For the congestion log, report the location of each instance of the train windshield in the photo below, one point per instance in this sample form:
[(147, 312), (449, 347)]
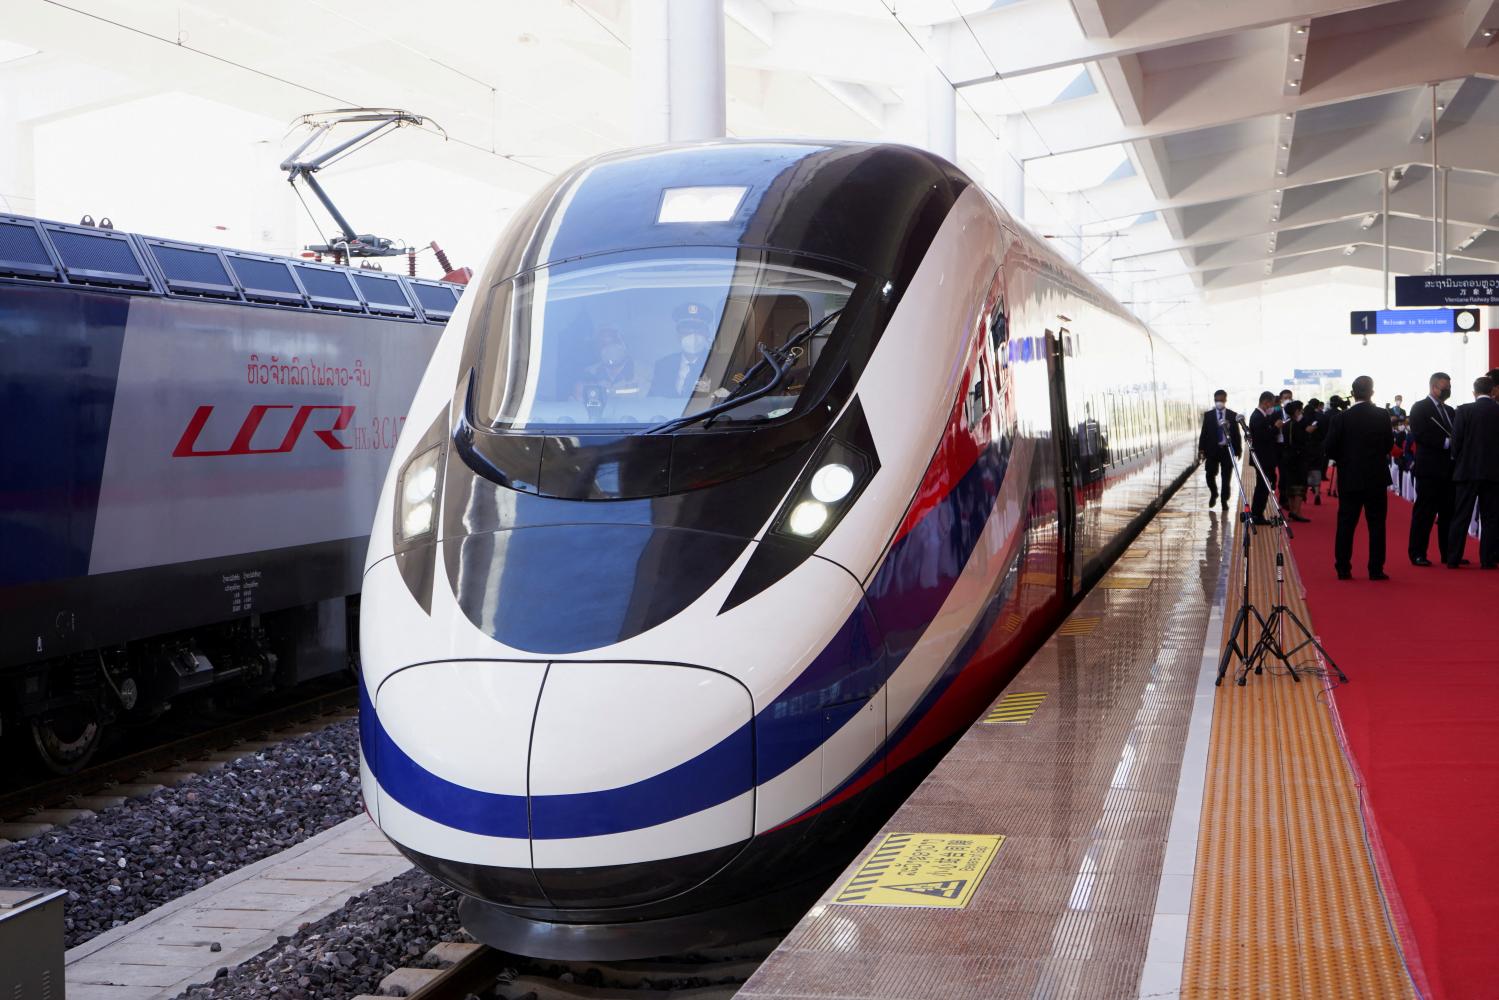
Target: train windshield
[(630, 342)]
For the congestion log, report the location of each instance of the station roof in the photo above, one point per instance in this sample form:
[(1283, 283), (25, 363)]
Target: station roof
[(1205, 145)]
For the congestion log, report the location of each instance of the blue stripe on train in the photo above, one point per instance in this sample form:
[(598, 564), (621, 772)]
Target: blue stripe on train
[(59, 366), (915, 579)]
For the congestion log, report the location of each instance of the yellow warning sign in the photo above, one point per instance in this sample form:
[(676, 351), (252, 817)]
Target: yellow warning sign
[(1078, 625), (1124, 583), (1015, 709), (922, 869)]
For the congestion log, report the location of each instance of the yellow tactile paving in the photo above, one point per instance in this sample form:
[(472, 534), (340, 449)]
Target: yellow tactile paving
[(1285, 903)]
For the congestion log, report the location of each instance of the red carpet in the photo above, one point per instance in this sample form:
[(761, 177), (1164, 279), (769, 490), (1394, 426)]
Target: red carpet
[(1421, 719)]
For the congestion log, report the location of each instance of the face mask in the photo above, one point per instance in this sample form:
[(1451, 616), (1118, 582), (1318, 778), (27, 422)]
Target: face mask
[(1220, 406), (693, 343), (1446, 391), (613, 354)]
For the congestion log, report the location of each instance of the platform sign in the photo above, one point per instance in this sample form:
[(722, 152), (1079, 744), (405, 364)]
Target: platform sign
[(1317, 374), (1413, 321), (1447, 290), (922, 869)]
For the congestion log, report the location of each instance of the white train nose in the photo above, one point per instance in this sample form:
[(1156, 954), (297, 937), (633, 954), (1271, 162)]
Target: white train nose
[(633, 763), (587, 772), (448, 745)]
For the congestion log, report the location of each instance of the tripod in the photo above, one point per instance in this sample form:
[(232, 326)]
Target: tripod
[(1270, 643)]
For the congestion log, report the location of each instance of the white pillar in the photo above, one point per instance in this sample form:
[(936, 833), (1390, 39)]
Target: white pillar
[(648, 71), (677, 68), (274, 210), (17, 159), (1011, 181), (941, 114)]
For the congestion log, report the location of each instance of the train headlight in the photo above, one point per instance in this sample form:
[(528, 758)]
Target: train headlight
[(807, 518), (420, 483), (418, 495), (827, 490), (832, 482)]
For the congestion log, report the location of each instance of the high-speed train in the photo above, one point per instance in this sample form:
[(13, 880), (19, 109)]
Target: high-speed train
[(738, 486)]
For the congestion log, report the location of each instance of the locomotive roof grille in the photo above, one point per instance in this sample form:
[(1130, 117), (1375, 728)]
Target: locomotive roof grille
[(40, 250)]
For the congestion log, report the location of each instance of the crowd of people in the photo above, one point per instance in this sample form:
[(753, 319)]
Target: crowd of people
[(1358, 451)]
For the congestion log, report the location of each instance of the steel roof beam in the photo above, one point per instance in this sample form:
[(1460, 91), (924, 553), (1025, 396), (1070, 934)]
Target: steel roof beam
[(1472, 203), (1187, 98), (1467, 148), (1047, 34)]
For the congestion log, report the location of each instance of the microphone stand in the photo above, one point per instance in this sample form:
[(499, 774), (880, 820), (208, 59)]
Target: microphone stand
[(1272, 628), (1238, 636)]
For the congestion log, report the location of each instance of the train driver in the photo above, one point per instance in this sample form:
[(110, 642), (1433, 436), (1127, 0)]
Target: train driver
[(680, 373)]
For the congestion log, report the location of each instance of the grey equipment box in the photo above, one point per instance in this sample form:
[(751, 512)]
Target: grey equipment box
[(31, 951)]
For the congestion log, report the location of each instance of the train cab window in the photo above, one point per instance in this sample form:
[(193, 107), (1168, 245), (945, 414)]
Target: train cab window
[(630, 341)]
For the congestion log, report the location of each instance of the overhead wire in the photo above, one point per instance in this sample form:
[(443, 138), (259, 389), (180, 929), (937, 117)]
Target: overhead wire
[(1025, 114), (958, 93), (601, 23), (266, 74), (984, 123)]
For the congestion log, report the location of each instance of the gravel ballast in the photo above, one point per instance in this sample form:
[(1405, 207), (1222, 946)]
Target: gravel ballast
[(128, 860), (350, 950)]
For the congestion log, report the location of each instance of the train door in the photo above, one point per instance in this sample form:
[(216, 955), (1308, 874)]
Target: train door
[(1066, 446)]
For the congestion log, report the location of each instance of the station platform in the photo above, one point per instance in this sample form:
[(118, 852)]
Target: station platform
[(158, 955), (1117, 825)]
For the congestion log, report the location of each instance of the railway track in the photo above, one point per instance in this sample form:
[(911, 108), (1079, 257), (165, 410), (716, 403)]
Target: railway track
[(456, 971), (27, 810)]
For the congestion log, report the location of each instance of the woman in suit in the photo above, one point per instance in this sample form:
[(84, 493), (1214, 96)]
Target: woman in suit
[(1293, 461)]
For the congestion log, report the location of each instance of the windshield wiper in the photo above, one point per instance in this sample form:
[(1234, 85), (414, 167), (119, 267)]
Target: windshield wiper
[(778, 361)]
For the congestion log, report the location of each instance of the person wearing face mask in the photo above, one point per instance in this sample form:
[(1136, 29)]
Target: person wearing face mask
[(614, 372), (1314, 424), (680, 373), (1292, 475), (1218, 443), (1431, 421), (1265, 425)]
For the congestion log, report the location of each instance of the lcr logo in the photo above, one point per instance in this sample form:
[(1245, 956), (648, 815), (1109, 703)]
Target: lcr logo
[(186, 447)]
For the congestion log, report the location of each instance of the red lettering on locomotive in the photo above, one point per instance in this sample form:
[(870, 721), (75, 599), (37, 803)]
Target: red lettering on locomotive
[(186, 446)]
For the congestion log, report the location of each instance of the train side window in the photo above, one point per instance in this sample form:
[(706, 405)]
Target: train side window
[(996, 318), (977, 403)]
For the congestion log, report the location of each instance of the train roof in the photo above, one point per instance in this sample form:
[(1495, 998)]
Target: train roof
[(39, 250), (875, 206)]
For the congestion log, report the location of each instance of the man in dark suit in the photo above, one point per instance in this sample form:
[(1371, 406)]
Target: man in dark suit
[(1360, 443), (1219, 444), (1264, 436), (1475, 450), (1431, 427)]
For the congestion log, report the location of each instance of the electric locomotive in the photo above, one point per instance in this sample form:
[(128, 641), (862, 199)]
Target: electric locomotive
[(192, 439), (740, 483)]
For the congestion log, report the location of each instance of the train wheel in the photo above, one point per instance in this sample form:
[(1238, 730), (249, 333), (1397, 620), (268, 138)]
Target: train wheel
[(66, 739)]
